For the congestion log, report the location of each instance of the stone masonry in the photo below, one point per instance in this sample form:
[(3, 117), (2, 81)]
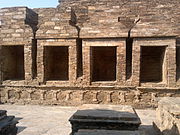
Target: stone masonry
[(168, 116), (90, 51)]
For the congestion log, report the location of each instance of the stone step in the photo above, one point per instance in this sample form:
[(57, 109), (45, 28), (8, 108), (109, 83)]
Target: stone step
[(108, 132)]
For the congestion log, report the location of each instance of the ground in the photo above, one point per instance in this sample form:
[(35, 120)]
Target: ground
[(53, 120)]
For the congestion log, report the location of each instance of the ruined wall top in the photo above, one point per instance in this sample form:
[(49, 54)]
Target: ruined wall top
[(17, 25), (101, 19), (55, 23), (115, 18)]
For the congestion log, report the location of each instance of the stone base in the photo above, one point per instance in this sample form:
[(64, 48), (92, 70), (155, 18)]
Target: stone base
[(108, 132), (75, 96), (107, 117), (7, 124)]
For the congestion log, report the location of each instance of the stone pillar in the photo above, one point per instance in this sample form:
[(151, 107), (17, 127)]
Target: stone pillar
[(171, 63), (121, 63), (178, 63), (28, 62), (86, 64), (72, 64), (40, 63), (135, 63), (1, 77)]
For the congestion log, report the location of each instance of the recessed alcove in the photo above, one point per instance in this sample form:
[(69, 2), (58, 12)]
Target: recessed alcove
[(56, 63), (103, 63), (152, 64), (13, 63)]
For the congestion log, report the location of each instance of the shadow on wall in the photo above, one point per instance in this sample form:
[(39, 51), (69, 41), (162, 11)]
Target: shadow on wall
[(173, 131)]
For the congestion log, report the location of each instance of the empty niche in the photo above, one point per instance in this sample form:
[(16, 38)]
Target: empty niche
[(178, 63), (56, 63), (103, 63), (13, 63), (152, 67)]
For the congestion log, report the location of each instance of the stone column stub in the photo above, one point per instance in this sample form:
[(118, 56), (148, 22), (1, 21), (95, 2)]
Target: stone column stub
[(95, 94), (109, 96), (122, 96), (68, 95)]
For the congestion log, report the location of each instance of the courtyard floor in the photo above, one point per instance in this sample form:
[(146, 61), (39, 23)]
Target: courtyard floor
[(53, 120)]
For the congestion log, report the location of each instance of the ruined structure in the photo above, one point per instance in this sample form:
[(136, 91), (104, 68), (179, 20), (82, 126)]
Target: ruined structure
[(90, 51), (168, 116)]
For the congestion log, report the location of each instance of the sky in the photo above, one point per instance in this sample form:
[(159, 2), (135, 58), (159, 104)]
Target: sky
[(28, 3)]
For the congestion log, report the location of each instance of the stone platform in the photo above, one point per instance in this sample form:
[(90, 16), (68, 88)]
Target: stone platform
[(108, 132), (106, 117), (7, 124)]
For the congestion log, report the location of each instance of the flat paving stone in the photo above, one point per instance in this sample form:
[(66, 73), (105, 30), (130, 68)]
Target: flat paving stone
[(108, 132), (108, 117)]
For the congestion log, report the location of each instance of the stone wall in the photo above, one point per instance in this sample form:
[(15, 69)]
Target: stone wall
[(18, 25), (89, 51), (168, 116), (54, 23), (142, 18)]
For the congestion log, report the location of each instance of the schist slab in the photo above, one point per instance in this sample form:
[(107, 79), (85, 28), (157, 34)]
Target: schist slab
[(2, 114), (7, 124), (108, 132), (107, 117)]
